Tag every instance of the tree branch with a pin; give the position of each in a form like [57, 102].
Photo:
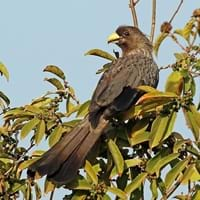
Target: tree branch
[176, 11]
[132, 5]
[153, 20]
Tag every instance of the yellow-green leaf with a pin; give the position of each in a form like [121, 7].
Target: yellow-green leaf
[158, 130]
[48, 186]
[174, 172]
[79, 184]
[91, 173]
[120, 193]
[5, 98]
[192, 117]
[25, 164]
[174, 83]
[146, 88]
[161, 129]
[40, 132]
[156, 96]
[55, 135]
[100, 53]
[4, 71]
[55, 70]
[135, 183]
[83, 110]
[154, 189]
[138, 130]
[190, 174]
[117, 156]
[28, 127]
[55, 82]
[158, 42]
[33, 109]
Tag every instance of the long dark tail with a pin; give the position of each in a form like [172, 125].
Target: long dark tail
[63, 160]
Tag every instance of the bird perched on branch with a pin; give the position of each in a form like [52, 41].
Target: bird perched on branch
[115, 93]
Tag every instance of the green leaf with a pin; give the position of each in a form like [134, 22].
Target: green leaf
[180, 56]
[83, 110]
[33, 109]
[5, 98]
[55, 82]
[55, 70]
[91, 173]
[192, 117]
[79, 195]
[117, 156]
[17, 185]
[174, 172]
[105, 197]
[156, 96]
[6, 160]
[154, 191]
[100, 53]
[28, 127]
[55, 135]
[196, 195]
[79, 184]
[186, 31]
[40, 132]
[48, 186]
[189, 85]
[188, 174]
[160, 160]
[121, 194]
[158, 42]
[128, 163]
[174, 83]
[4, 71]
[138, 132]
[158, 130]
[147, 88]
[41, 102]
[38, 193]
[136, 183]
[25, 164]
[104, 68]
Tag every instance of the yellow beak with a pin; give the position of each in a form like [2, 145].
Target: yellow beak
[114, 37]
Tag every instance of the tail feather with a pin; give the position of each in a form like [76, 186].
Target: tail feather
[71, 165]
[63, 160]
[52, 160]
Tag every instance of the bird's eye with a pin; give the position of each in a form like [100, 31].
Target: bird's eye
[126, 33]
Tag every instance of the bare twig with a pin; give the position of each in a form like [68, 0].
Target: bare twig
[177, 42]
[176, 11]
[51, 196]
[133, 11]
[165, 67]
[153, 20]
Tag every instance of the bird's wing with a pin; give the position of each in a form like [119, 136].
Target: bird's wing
[125, 73]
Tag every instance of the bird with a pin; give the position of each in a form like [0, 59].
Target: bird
[115, 93]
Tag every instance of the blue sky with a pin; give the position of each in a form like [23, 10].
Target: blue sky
[37, 33]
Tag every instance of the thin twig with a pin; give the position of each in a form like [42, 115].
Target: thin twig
[176, 11]
[51, 196]
[153, 20]
[133, 11]
[177, 42]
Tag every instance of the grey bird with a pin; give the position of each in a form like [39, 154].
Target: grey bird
[115, 93]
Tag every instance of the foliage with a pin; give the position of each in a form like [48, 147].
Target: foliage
[141, 148]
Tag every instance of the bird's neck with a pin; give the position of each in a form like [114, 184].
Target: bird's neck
[138, 51]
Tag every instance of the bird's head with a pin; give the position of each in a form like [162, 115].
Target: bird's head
[129, 39]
